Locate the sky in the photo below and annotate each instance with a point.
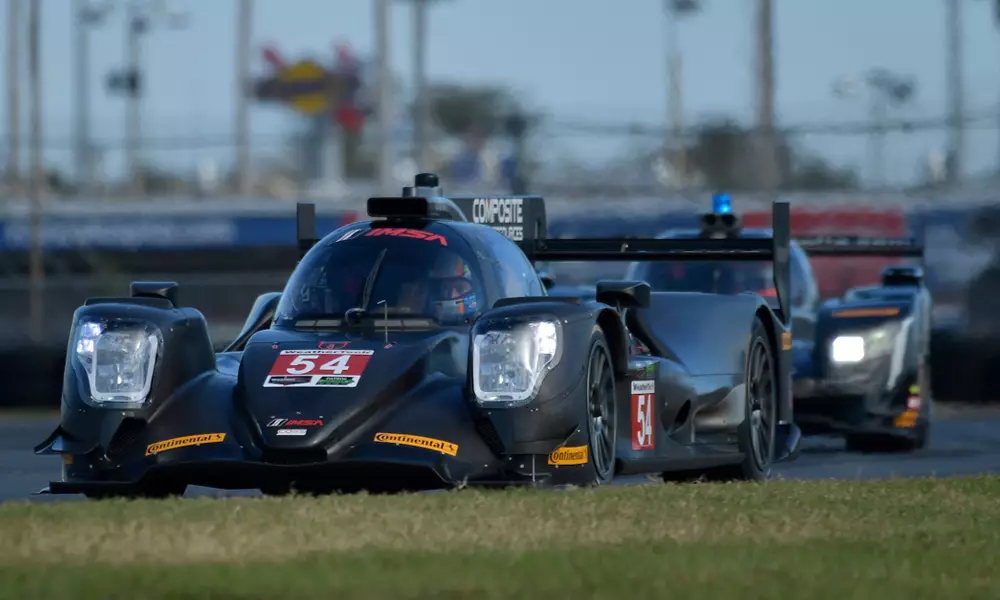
(576, 60)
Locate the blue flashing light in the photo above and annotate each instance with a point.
(722, 204)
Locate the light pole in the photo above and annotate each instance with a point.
(140, 16)
(85, 16)
(244, 19)
(884, 89)
(383, 69)
(36, 266)
(675, 10)
(14, 96)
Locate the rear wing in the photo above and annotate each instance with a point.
(860, 246)
(774, 249)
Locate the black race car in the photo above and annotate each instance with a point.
(860, 362)
(419, 351)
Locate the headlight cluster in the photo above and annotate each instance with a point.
(855, 347)
(510, 360)
(119, 357)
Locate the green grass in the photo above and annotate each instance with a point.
(912, 539)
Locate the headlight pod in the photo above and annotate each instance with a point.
(119, 357)
(511, 358)
(856, 346)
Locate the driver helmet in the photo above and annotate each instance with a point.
(452, 294)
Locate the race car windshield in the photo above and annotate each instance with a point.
(404, 278)
(709, 277)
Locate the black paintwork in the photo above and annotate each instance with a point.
(692, 347)
(854, 400)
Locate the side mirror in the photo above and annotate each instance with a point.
(548, 280)
(167, 290)
(624, 294)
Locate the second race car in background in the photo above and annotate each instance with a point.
(860, 361)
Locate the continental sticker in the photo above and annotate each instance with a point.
(907, 420)
(786, 340)
(866, 312)
(575, 455)
(404, 439)
(182, 442)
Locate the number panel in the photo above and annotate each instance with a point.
(318, 368)
(643, 399)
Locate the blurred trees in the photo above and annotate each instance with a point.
(474, 116)
(722, 154)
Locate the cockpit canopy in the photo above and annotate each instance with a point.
(401, 272)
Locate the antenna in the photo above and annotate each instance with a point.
(385, 320)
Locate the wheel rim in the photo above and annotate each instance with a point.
(602, 412)
(760, 397)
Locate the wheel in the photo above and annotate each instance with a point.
(756, 434)
(602, 409)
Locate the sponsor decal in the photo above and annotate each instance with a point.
(322, 367)
(182, 442)
(848, 313)
(405, 439)
(575, 455)
(914, 390)
(295, 423)
(333, 345)
(643, 398)
(506, 215)
(292, 432)
(283, 380)
(347, 235)
(786, 340)
(413, 234)
(908, 419)
(913, 403)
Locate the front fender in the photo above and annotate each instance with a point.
(186, 355)
(707, 333)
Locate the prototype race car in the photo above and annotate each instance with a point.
(419, 351)
(860, 362)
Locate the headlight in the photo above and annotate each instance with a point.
(855, 347)
(118, 357)
(510, 361)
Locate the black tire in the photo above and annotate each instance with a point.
(760, 418)
(757, 432)
(602, 409)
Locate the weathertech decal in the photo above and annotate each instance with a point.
(181, 442)
(576, 455)
(318, 368)
(405, 439)
(643, 396)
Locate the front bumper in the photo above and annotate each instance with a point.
(860, 404)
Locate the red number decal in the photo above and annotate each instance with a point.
(318, 368)
(643, 398)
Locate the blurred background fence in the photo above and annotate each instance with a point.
(175, 165)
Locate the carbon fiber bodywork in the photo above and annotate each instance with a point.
(409, 419)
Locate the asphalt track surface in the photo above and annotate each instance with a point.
(961, 444)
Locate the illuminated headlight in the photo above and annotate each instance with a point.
(119, 358)
(857, 346)
(510, 360)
